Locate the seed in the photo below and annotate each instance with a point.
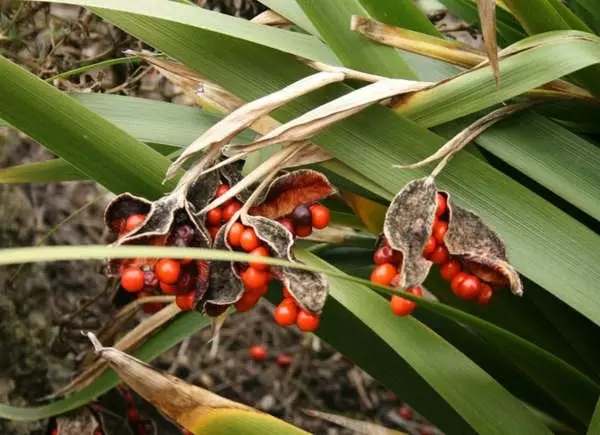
(288, 224)
(169, 289)
(213, 217)
(441, 205)
(303, 231)
(485, 295)
(383, 255)
(261, 251)
(383, 274)
(254, 279)
(283, 360)
(403, 307)
(429, 247)
(405, 412)
(258, 352)
(230, 209)
(167, 270)
(286, 312)
(134, 221)
(213, 231)
(249, 241)
(132, 279)
(320, 216)
(458, 278)
(440, 254)
(186, 301)
(185, 282)
(307, 321)
(469, 288)
(235, 233)
(221, 190)
(439, 230)
(247, 301)
(301, 216)
(449, 269)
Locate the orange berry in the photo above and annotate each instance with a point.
(458, 278)
(249, 241)
(262, 291)
(134, 221)
(439, 230)
(286, 312)
(254, 279)
(167, 270)
(307, 321)
(429, 247)
(403, 307)
(283, 360)
(132, 279)
(383, 255)
(213, 231)
(258, 352)
(169, 289)
(449, 269)
(440, 254)
(213, 217)
(320, 216)
(230, 209)
(383, 274)
(186, 301)
(441, 205)
(247, 301)
(221, 190)
(261, 251)
(235, 233)
(469, 288)
(303, 231)
(485, 295)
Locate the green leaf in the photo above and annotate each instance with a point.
(51, 171)
(293, 12)
(401, 13)
(87, 141)
(594, 427)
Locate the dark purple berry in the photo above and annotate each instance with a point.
(150, 279)
(185, 282)
(302, 216)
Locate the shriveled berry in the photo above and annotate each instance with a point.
(185, 301)
(383, 274)
(247, 301)
(254, 279)
(469, 288)
(283, 360)
(167, 270)
(150, 279)
(405, 412)
(383, 255)
(301, 216)
(429, 247)
(132, 279)
(288, 224)
(261, 251)
(457, 280)
(449, 269)
(230, 209)
(221, 190)
(307, 321)
(441, 205)
(485, 295)
(439, 230)
(213, 231)
(134, 221)
(286, 312)
(169, 289)
(258, 352)
(303, 230)
(235, 234)
(440, 254)
(249, 241)
(213, 217)
(320, 216)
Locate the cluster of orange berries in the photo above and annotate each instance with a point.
(219, 216)
(256, 276)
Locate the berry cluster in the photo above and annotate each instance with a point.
(256, 275)
(219, 216)
(463, 284)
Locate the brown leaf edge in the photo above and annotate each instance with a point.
(407, 226)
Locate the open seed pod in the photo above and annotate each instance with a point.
(409, 224)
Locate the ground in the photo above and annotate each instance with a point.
(44, 307)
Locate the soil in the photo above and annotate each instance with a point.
(43, 307)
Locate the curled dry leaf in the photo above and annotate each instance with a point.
(487, 16)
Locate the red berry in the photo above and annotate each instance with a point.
(449, 269)
(288, 224)
(134, 221)
(457, 280)
(383, 255)
(254, 279)
(221, 190)
(469, 288)
(439, 230)
(383, 274)
(186, 301)
(249, 241)
(133, 414)
(247, 301)
(230, 209)
(429, 247)
(167, 270)
(283, 360)
(235, 233)
(186, 260)
(261, 251)
(441, 205)
(307, 321)
(440, 254)
(286, 293)
(303, 231)
(152, 308)
(403, 307)
(213, 231)
(213, 217)
(262, 291)
(320, 216)
(405, 412)
(286, 312)
(485, 295)
(132, 279)
(258, 352)
(54, 431)
(169, 289)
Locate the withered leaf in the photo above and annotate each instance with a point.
(407, 227)
(469, 238)
(294, 188)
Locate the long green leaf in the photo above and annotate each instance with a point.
(51, 171)
(401, 13)
(594, 427)
(87, 141)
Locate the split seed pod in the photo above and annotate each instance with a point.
(408, 226)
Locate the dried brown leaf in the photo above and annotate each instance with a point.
(356, 426)
(270, 18)
(487, 17)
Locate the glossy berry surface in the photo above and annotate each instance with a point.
(258, 352)
(249, 241)
(403, 307)
(261, 251)
(185, 301)
(254, 279)
(320, 216)
(213, 217)
(230, 209)
(469, 288)
(307, 321)
(383, 274)
(167, 270)
(213, 231)
(458, 278)
(247, 301)
(429, 247)
(449, 269)
(286, 312)
(134, 221)
(235, 234)
(485, 295)
(439, 230)
(301, 216)
(303, 230)
(441, 205)
(383, 255)
(132, 279)
(221, 190)
(440, 254)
